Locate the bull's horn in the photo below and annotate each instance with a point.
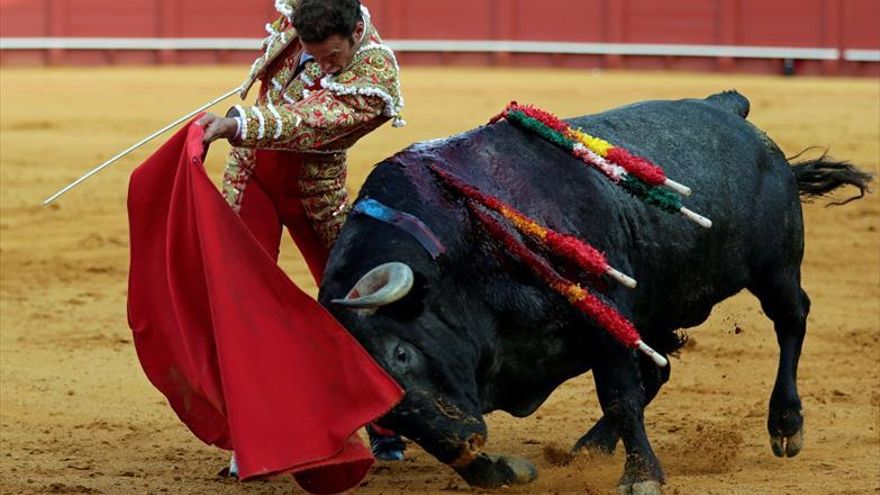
(382, 285)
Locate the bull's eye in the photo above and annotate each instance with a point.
(400, 354)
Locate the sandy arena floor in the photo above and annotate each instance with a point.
(78, 415)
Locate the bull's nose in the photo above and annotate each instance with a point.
(469, 450)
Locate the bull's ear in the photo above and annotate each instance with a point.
(380, 286)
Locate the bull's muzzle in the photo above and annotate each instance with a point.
(470, 449)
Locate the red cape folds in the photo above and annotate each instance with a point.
(246, 359)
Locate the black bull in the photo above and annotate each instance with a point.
(478, 331)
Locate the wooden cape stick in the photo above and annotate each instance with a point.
(137, 145)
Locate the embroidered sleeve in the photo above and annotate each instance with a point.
(321, 119)
(335, 110)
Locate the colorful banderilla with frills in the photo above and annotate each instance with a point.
(566, 246)
(636, 175)
(563, 245)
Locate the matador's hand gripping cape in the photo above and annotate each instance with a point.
(246, 359)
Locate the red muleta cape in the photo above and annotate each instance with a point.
(247, 360)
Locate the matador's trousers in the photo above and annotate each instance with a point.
(303, 192)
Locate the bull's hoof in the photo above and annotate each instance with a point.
(786, 428)
(787, 446)
(521, 470)
(641, 488)
(493, 471)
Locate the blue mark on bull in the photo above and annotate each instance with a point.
(409, 223)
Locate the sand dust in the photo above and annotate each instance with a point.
(78, 416)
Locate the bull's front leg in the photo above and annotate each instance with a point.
(622, 397)
(602, 437)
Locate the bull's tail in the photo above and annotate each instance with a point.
(819, 177)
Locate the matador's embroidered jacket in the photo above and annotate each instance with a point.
(319, 116)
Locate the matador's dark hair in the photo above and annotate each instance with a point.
(317, 20)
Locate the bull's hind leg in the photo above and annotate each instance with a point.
(602, 437)
(785, 302)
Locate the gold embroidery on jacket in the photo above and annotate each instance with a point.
(323, 194)
(239, 166)
(316, 115)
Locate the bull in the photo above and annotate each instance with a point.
(472, 331)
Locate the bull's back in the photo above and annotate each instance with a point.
(740, 180)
